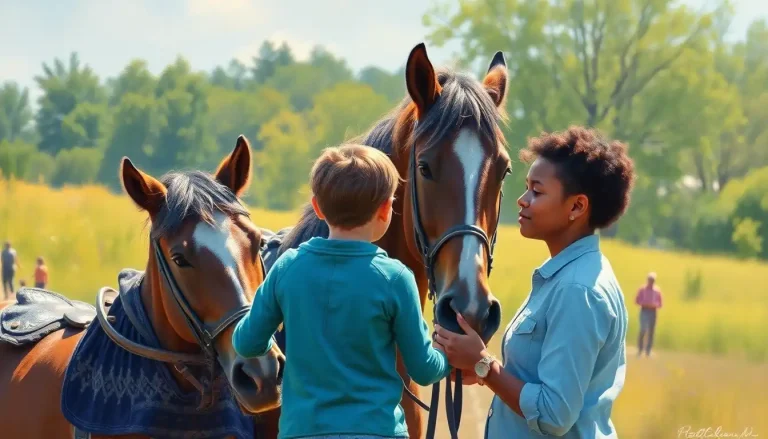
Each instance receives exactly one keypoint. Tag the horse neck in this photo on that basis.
(152, 292)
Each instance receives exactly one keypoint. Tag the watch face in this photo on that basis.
(482, 369)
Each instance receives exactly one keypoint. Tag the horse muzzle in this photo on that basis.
(257, 382)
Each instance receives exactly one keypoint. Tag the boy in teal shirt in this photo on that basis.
(346, 306)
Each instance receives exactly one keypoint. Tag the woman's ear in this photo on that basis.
(579, 206)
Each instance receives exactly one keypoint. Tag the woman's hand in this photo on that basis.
(468, 377)
(463, 351)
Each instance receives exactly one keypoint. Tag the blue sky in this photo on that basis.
(107, 33)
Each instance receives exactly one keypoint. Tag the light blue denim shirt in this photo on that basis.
(567, 343)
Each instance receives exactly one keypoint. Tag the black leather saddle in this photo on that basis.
(39, 312)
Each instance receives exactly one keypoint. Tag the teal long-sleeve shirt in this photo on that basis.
(346, 306)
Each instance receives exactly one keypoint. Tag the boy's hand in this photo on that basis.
(437, 345)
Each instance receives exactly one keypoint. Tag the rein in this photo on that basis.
(453, 402)
(204, 333)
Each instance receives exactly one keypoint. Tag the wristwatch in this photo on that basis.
(483, 367)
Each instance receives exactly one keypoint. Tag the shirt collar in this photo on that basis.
(587, 244)
(342, 247)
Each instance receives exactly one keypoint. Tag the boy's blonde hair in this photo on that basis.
(350, 182)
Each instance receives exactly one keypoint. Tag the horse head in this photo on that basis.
(450, 139)
(204, 268)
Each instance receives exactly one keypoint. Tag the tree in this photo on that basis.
(574, 61)
(391, 85)
(15, 113)
(184, 139)
(64, 87)
(232, 113)
(135, 133)
(269, 60)
(284, 161)
(343, 111)
(135, 78)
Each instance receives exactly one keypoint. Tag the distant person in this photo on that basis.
(22, 283)
(41, 273)
(649, 300)
(9, 264)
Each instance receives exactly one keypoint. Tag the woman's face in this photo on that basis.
(544, 211)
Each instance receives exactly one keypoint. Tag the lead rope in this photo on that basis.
(452, 406)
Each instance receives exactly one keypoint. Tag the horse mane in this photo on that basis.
(463, 101)
(193, 194)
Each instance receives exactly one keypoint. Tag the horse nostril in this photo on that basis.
(492, 321)
(445, 315)
(242, 376)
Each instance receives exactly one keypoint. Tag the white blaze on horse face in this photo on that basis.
(471, 155)
(217, 238)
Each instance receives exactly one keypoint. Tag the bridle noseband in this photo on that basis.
(204, 333)
(429, 254)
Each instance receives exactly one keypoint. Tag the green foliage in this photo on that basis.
(76, 166)
(64, 87)
(746, 237)
(286, 141)
(15, 158)
(693, 285)
(15, 113)
(344, 111)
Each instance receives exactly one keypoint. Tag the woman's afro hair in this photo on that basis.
(588, 164)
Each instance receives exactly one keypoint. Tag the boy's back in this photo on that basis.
(347, 305)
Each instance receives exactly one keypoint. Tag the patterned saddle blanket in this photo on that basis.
(109, 391)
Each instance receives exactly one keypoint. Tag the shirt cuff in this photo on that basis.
(529, 399)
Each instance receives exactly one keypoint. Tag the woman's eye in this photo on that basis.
(424, 169)
(180, 261)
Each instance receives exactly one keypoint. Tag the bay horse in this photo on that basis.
(111, 379)
(446, 142)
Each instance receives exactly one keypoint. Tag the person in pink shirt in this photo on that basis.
(649, 300)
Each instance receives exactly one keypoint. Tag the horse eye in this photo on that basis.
(180, 260)
(424, 169)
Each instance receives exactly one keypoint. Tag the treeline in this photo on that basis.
(692, 105)
(183, 118)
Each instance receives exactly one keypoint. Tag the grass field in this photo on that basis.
(714, 337)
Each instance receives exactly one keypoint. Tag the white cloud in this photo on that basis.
(229, 13)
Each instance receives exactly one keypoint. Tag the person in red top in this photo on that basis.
(41, 273)
(649, 300)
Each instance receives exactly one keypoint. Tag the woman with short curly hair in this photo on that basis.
(563, 354)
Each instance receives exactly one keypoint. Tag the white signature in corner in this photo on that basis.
(689, 432)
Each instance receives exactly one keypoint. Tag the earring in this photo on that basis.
(570, 217)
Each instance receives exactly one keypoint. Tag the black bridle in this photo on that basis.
(204, 333)
(453, 403)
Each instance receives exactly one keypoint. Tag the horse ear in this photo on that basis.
(146, 191)
(495, 81)
(421, 80)
(234, 171)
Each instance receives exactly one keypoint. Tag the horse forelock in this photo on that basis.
(193, 195)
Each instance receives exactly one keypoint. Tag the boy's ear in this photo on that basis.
(316, 208)
(385, 209)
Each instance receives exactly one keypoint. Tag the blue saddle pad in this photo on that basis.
(109, 391)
